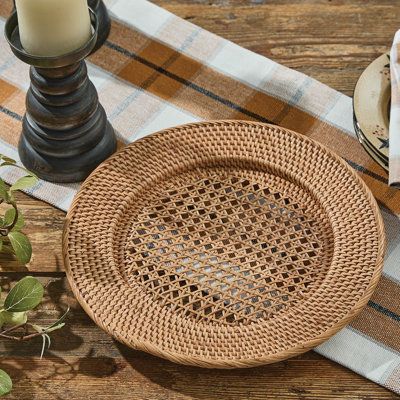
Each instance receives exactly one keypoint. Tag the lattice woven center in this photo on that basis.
(224, 244)
(226, 249)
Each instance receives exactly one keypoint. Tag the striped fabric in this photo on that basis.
(394, 128)
(157, 70)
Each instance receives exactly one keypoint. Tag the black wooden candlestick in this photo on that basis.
(65, 132)
(103, 20)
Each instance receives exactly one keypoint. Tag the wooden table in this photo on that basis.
(331, 41)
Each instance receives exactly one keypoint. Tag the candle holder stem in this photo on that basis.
(65, 132)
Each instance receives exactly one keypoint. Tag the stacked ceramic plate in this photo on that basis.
(371, 109)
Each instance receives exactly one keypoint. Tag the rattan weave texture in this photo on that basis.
(223, 244)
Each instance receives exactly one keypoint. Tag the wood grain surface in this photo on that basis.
(332, 41)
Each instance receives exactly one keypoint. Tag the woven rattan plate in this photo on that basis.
(223, 244)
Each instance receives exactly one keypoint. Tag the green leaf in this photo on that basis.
(7, 249)
(5, 383)
(3, 190)
(7, 159)
(58, 322)
(9, 219)
(11, 198)
(14, 318)
(24, 182)
(54, 326)
(25, 295)
(9, 216)
(49, 329)
(21, 245)
(9, 164)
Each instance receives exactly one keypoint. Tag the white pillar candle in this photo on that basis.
(53, 27)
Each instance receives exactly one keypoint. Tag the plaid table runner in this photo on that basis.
(157, 70)
(394, 128)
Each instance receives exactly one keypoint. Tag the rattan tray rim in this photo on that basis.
(236, 362)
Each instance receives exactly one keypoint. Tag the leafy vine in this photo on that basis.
(26, 294)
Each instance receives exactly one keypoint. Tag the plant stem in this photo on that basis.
(23, 337)
(13, 328)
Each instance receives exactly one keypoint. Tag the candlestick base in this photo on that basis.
(65, 132)
(66, 156)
